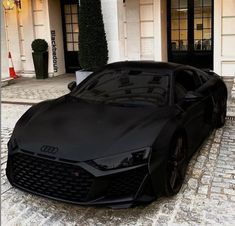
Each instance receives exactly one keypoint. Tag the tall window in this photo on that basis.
(71, 24)
(179, 24)
(191, 25)
(202, 24)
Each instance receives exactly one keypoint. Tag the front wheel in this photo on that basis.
(176, 166)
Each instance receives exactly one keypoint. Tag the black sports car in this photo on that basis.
(124, 135)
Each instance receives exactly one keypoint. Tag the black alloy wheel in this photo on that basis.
(221, 109)
(176, 166)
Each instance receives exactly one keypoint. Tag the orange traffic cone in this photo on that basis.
(12, 72)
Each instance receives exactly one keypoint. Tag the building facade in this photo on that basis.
(196, 32)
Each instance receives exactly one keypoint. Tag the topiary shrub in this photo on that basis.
(93, 50)
(39, 45)
(40, 58)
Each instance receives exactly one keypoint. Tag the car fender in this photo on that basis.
(160, 153)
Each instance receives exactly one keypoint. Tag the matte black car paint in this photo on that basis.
(71, 130)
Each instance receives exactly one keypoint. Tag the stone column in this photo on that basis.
(160, 30)
(4, 50)
(133, 29)
(111, 19)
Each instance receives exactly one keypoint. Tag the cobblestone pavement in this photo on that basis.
(206, 198)
(35, 89)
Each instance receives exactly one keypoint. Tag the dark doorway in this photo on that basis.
(190, 32)
(69, 10)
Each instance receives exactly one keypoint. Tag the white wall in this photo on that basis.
(57, 45)
(145, 30)
(26, 36)
(224, 37)
(11, 20)
(34, 21)
(133, 29)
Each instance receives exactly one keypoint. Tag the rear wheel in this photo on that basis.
(221, 110)
(176, 165)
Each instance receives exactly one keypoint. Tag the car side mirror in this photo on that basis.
(192, 96)
(72, 85)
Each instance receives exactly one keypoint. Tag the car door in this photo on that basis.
(193, 117)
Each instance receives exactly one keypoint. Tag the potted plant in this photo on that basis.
(40, 58)
(93, 50)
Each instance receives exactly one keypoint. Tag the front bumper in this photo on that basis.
(77, 182)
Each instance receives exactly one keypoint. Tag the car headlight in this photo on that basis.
(121, 161)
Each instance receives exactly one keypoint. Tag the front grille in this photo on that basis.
(126, 183)
(46, 177)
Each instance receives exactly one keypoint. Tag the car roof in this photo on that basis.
(144, 65)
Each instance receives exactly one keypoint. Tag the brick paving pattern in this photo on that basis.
(206, 198)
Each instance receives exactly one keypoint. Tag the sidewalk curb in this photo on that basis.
(20, 101)
(7, 81)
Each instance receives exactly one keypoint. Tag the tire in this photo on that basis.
(221, 110)
(176, 165)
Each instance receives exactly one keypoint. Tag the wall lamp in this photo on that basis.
(10, 4)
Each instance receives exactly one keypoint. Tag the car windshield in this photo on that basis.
(126, 88)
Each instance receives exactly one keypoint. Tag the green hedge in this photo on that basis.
(39, 45)
(93, 51)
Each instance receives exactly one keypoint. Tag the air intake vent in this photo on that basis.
(50, 178)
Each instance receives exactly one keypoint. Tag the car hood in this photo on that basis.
(82, 131)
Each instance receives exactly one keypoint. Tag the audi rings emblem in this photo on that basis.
(49, 149)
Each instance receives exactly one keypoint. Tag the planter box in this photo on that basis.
(40, 61)
(81, 75)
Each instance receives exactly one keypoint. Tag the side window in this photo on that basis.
(185, 81)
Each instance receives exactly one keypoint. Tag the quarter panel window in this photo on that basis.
(188, 79)
(203, 76)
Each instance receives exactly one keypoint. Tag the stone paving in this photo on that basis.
(206, 198)
(29, 89)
